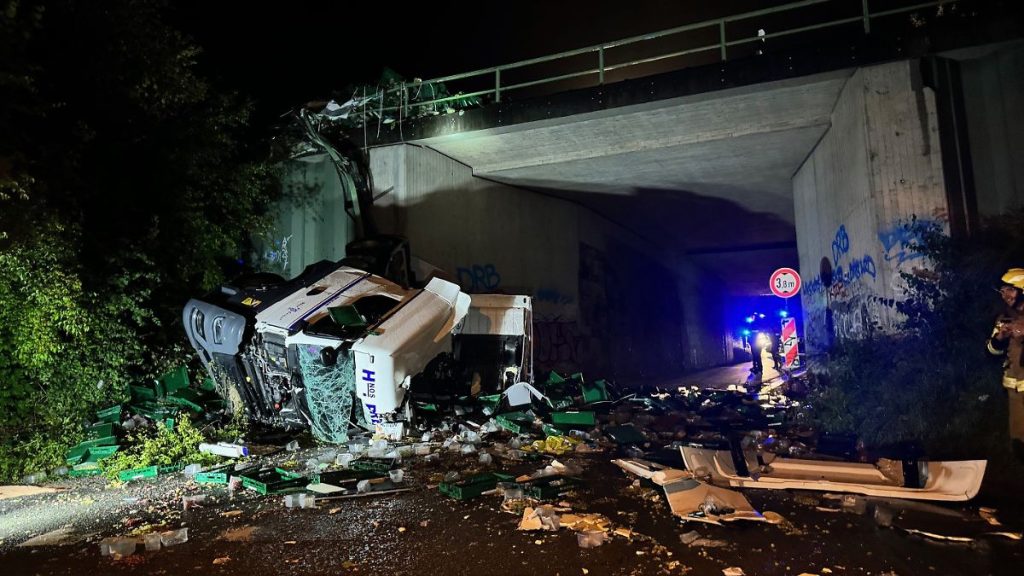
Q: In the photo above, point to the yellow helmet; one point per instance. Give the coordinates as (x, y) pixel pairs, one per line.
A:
(1014, 277)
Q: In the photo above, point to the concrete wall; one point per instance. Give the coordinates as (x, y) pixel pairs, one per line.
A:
(876, 167)
(993, 87)
(312, 224)
(603, 300)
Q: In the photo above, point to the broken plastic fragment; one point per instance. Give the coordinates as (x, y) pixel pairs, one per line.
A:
(590, 538)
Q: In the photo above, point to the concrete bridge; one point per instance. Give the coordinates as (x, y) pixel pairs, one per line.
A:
(635, 210)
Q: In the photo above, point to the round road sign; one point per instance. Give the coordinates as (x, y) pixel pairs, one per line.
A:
(785, 282)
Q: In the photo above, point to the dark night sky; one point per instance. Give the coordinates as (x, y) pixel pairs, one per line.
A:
(285, 54)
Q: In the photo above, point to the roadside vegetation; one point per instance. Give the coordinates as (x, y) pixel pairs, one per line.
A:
(114, 153)
(933, 386)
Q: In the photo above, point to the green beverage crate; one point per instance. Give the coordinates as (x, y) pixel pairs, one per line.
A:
(596, 392)
(142, 392)
(176, 379)
(473, 486)
(97, 453)
(272, 481)
(573, 418)
(76, 455)
(86, 469)
(378, 465)
(112, 414)
(138, 473)
(105, 441)
(100, 430)
(548, 488)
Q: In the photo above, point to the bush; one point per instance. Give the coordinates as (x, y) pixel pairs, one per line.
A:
(127, 184)
(933, 383)
(160, 446)
(64, 352)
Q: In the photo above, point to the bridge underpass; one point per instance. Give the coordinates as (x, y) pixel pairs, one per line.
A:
(646, 221)
(637, 213)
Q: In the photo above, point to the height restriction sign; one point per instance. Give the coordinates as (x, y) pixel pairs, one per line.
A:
(785, 282)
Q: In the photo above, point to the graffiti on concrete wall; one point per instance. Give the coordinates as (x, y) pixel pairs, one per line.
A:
(552, 296)
(478, 278)
(276, 254)
(899, 243)
(842, 300)
(862, 315)
(558, 344)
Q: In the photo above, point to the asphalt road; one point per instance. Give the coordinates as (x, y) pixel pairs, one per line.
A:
(422, 532)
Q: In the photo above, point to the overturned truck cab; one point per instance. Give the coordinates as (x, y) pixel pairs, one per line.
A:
(338, 345)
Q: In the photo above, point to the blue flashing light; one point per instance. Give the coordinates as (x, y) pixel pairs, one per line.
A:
(760, 315)
(749, 319)
(745, 332)
(784, 313)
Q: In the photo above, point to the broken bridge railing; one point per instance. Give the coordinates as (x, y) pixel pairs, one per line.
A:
(598, 70)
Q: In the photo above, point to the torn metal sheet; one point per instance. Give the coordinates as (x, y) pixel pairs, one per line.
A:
(691, 499)
(694, 500)
(946, 481)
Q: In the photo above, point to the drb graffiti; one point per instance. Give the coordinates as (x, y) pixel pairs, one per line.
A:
(479, 278)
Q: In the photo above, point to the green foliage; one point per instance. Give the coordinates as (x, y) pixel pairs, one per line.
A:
(236, 428)
(126, 187)
(933, 383)
(160, 447)
(64, 351)
(394, 98)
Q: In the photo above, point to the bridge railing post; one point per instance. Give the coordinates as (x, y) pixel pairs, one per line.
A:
(497, 85)
(721, 38)
(600, 65)
(867, 16)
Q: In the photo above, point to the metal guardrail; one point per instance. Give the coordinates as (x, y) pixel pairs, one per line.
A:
(722, 46)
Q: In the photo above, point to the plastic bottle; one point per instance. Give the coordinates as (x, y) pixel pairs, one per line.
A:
(174, 537)
(397, 475)
(224, 449)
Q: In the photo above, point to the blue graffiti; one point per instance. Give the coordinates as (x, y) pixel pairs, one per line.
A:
(857, 269)
(552, 296)
(840, 244)
(479, 278)
(900, 242)
(814, 286)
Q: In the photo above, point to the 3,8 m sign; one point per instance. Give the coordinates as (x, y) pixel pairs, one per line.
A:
(785, 283)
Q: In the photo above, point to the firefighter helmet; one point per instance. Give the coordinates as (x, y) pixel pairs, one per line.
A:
(1014, 277)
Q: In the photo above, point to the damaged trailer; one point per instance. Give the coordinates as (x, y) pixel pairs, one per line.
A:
(338, 345)
(950, 481)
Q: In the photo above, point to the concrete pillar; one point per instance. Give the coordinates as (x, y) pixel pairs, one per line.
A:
(878, 166)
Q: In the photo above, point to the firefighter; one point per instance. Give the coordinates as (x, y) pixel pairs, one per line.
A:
(1008, 339)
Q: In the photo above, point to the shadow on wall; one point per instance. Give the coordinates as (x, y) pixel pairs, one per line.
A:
(623, 318)
(683, 222)
(735, 248)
